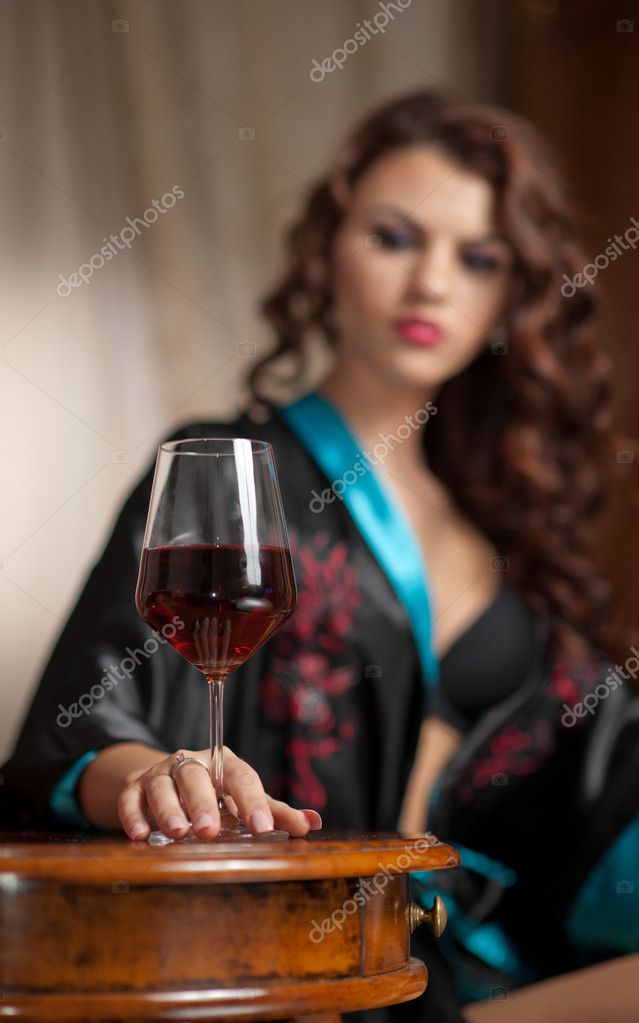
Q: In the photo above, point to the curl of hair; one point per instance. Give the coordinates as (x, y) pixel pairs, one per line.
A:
(522, 442)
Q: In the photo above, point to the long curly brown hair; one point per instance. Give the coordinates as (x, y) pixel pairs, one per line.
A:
(522, 442)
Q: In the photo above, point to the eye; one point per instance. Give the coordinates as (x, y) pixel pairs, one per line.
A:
(394, 237)
(480, 262)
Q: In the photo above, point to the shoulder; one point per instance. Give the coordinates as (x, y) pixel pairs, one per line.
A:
(128, 526)
(135, 507)
(246, 423)
(267, 425)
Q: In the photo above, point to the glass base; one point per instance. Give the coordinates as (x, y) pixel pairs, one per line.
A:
(232, 830)
(227, 836)
(242, 834)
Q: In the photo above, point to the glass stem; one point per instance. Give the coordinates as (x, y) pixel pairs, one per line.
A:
(216, 692)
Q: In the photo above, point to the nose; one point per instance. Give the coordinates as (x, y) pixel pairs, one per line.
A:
(432, 273)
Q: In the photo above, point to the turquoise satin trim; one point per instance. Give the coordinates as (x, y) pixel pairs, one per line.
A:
(62, 800)
(482, 864)
(488, 941)
(605, 913)
(381, 523)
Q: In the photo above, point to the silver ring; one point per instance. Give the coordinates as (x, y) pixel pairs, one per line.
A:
(181, 760)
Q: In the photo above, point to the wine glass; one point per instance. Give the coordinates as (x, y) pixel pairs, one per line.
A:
(216, 565)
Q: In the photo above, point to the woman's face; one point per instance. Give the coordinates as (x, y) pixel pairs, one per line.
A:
(419, 272)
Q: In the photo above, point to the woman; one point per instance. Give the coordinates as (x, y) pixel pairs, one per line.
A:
(439, 486)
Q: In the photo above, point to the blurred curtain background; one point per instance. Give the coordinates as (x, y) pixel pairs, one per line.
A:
(106, 106)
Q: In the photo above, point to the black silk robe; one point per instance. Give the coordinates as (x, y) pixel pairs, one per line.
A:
(327, 712)
(541, 798)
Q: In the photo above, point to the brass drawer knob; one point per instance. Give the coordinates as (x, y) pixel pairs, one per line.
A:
(436, 916)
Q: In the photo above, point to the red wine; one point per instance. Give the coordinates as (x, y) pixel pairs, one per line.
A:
(229, 599)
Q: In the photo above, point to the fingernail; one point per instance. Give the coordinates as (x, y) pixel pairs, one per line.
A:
(175, 823)
(203, 821)
(137, 831)
(313, 818)
(260, 821)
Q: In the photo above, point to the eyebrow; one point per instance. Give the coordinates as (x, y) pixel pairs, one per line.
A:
(414, 226)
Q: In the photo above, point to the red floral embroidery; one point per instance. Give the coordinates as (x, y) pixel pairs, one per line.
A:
(515, 751)
(570, 686)
(311, 666)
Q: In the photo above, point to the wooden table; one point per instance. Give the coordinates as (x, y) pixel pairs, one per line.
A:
(102, 928)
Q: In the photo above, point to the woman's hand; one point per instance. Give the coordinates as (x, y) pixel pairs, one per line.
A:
(152, 799)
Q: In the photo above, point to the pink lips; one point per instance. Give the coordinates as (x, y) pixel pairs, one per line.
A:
(419, 332)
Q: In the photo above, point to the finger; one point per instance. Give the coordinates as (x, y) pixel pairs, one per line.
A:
(132, 809)
(278, 810)
(231, 805)
(243, 784)
(164, 804)
(197, 796)
(297, 822)
(205, 754)
(314, 819)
